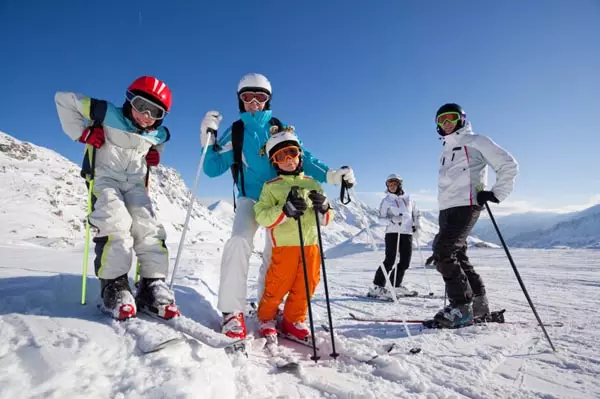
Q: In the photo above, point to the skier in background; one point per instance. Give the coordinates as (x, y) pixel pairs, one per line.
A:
(404, 220)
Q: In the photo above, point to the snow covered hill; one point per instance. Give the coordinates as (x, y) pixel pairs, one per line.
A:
(577, 230)
(46, 192)
(53, 347)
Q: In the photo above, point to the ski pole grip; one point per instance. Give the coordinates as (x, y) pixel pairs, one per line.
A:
(214, 133)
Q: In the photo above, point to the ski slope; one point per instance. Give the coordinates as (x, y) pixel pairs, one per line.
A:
(53, 347)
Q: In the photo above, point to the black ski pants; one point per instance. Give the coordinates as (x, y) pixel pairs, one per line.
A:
(450, 254)
(391, 247)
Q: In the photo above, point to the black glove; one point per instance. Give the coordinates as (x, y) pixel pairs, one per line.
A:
(429, 261)
(414, 229)
(319, 201)
(485, 196)
(294, 205)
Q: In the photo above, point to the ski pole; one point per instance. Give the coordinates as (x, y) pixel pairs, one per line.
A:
(512, 263)
(310, 316)
(147, 185)
(190, 207)
(333, 354)
(416, 349)
(90, 151)
(416, 235)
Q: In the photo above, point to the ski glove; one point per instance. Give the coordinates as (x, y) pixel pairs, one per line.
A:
(335, 176)
(211, 120)
(430, 260)
(319, 201)
(485, 196)
(93, 136)
(414, 229)
(294, 206)
(152, 157)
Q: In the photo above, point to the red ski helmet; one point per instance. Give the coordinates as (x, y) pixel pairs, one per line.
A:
(156, 89)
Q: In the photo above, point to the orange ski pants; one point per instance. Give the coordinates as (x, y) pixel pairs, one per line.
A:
(286, 275)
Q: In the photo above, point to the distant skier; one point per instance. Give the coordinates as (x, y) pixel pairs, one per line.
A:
(127, 140)
(240, 148)
(461, 195)
(275, 210)
(404, 220)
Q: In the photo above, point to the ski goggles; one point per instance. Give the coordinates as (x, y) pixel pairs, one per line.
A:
(393, 181)
(145, 106)
(452, 116)
(258, 96)
(286, 153)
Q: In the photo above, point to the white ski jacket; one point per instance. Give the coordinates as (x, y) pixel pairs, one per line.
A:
(463, 168)
(400, 213)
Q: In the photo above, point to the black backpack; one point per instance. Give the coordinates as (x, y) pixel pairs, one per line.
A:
(237, 141)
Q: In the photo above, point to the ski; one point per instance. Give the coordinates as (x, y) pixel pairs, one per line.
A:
(388, 300)
(196, 330)
(494, 317)
(282, 362)
(147, 337)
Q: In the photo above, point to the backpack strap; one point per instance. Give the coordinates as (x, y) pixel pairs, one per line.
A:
(237, 170)
(237, 142)
(97, 114)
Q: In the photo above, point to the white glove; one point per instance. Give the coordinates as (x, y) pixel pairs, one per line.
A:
(211, 120)
(397, 220)
(393, 211)
(335, 176)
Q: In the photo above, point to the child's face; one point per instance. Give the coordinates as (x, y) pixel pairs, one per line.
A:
(287, 159)
(143, 120)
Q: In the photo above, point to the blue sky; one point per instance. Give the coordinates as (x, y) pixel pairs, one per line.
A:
(360, 81)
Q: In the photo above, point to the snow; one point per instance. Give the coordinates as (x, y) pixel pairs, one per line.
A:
(51, 346)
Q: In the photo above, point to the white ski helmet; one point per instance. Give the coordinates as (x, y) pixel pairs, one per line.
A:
(393, 176)
(254, 82)
(281, 140)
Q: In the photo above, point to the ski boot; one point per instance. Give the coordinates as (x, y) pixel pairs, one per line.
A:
(295, 331)
(481, 308)
(402, 291)
(268, 330)
(454, 316)
(381, 293)
(117, 299)
(154, 295)
(234, 325)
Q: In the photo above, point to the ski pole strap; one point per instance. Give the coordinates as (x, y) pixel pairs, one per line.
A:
(344, 193)
(215, 146)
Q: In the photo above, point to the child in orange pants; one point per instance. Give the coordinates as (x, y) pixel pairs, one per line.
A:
(290, 196)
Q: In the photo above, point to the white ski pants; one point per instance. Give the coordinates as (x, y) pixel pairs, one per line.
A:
(122, 213)
(233, 286)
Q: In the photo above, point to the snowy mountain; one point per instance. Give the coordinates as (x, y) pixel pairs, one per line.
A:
(46, 191)
(515, 224)
(544, 229)
(576, 230)
(44, 199)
